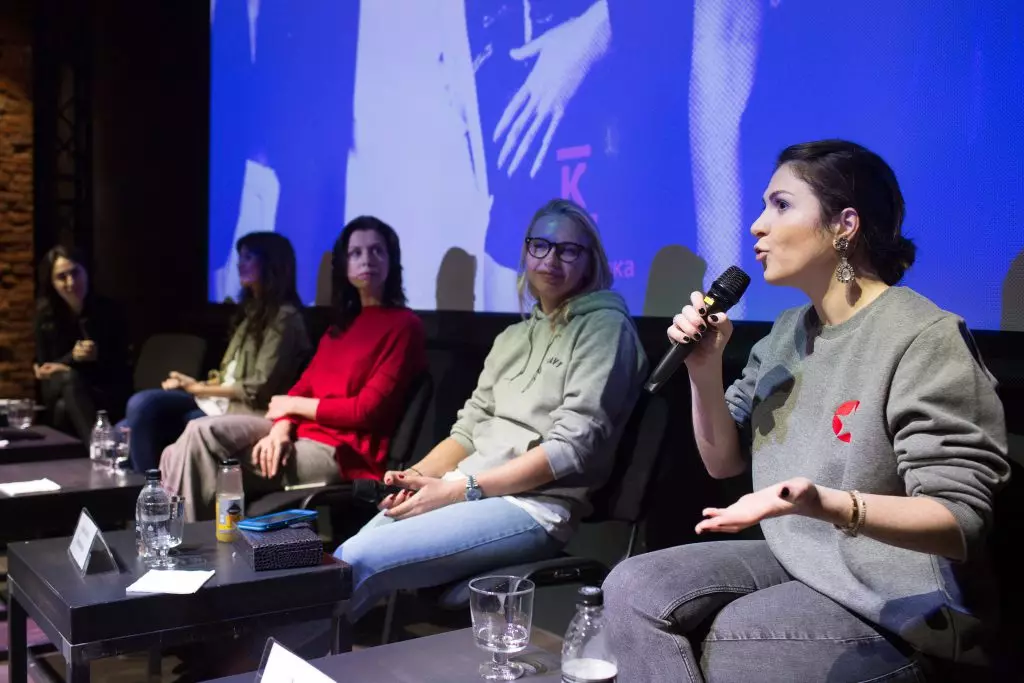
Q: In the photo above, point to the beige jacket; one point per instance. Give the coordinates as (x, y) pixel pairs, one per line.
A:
(273, 367)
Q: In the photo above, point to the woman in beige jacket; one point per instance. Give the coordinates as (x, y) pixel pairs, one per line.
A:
(268, 349)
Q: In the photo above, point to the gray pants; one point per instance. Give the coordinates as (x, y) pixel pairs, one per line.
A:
(189, 466)
(755, 621)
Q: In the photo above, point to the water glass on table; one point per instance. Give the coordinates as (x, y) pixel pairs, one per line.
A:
(20, 413)
(122, 437)
(163, 526)
(502, 611)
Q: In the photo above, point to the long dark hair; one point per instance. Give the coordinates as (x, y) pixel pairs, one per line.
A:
(345, 302)
(277, 283)
(843, 175)
(51, 308)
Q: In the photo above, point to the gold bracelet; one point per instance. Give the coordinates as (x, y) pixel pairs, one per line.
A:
(862, 512)
(857, 515)
(413, 469)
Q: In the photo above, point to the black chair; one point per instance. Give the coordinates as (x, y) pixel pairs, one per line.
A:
(353, 503)
(162, 353)
(623, 499)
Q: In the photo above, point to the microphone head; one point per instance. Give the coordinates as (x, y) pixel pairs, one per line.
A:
(729, 286)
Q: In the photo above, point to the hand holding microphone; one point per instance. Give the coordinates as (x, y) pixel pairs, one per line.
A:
(702, 329)
(708, 332)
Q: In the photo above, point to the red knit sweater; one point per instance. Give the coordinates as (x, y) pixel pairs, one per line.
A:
(361, 377)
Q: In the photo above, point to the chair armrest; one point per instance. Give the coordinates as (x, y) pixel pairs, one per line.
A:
(558, 571)
(328, 495)
(306, 499)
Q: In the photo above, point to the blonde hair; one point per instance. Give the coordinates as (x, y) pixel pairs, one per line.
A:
(599, 273)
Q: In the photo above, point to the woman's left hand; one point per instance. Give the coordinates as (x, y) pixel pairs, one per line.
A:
(431, 493)
(797, 496)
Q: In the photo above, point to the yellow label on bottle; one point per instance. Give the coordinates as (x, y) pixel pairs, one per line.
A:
(229, 514)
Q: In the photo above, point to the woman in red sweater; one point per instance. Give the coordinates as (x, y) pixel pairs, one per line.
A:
(336, 422)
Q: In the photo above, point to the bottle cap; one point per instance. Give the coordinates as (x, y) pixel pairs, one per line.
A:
(230, 462)
(591, 596)
(152, 475)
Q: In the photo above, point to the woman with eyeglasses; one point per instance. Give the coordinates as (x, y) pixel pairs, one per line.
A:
(511, 482)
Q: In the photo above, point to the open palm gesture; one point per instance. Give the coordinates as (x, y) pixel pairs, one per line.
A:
(794, 496)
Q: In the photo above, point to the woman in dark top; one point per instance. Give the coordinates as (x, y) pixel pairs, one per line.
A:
(82, 356)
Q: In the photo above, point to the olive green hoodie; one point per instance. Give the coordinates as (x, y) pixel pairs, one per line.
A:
(567, 387)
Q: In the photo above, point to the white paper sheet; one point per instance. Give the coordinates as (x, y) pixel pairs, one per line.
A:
(17, 488)
(177, 581)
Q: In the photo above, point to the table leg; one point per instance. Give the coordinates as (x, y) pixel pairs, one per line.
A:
(341, 635)
(76, 670)
(155, 665)
(17, 641)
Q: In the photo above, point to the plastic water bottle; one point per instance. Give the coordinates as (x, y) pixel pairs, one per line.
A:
(230, 500)
(586, 653)
(152, 510)
(101, 442)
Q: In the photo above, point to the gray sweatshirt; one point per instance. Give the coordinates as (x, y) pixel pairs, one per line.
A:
(894, 401)
(569, 389)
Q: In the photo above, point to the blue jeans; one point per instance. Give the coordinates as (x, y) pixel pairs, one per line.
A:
(440, 546)
(157, 418)
(728, 611)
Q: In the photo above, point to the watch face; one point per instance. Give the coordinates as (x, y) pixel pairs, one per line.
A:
(474, 493)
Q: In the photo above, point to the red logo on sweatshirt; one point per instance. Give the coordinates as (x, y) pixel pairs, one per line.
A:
(848, 408)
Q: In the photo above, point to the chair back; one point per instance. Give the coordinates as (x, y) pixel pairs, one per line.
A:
(403, 440)
(624, 497)
(163, 353)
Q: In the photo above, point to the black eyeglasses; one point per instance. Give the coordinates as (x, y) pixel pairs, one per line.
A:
(566, 252)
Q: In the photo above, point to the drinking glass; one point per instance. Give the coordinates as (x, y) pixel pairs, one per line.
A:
(20, 413)
(502, 612)
(122, 447)
(163, 525)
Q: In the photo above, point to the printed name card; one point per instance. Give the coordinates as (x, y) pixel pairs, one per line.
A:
(80, 550)
(280, 665)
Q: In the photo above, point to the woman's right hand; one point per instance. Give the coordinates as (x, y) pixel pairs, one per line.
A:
(689, 327)
(48, 370)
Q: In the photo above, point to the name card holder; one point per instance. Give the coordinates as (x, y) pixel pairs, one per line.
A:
(88, 549)
(281, 665)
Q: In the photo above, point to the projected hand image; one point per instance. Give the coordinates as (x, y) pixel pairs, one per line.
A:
(563, 56)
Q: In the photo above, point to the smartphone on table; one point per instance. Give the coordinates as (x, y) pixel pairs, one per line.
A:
(277, 520)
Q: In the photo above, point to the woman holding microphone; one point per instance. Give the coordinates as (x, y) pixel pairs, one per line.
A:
(876, 441)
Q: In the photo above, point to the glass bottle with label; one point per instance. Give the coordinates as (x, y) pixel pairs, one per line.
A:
(230, 500)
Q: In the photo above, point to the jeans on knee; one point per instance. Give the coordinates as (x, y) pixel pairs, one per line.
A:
(728, 611)
(440, 546)
(157, 418)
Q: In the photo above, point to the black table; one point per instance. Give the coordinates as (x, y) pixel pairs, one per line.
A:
(53, 446)
(446, 658)
(109, 496)
(92, 617)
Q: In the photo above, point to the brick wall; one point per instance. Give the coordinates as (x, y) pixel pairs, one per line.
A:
(16, 253)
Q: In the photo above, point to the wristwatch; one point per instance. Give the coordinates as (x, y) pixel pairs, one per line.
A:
(473, 490)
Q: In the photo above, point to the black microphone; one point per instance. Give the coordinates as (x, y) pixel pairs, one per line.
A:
(724, 293)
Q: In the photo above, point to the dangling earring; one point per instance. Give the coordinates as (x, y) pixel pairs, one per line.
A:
(844, 272)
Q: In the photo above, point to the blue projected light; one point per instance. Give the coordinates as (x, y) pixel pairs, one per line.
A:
(454, 121)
